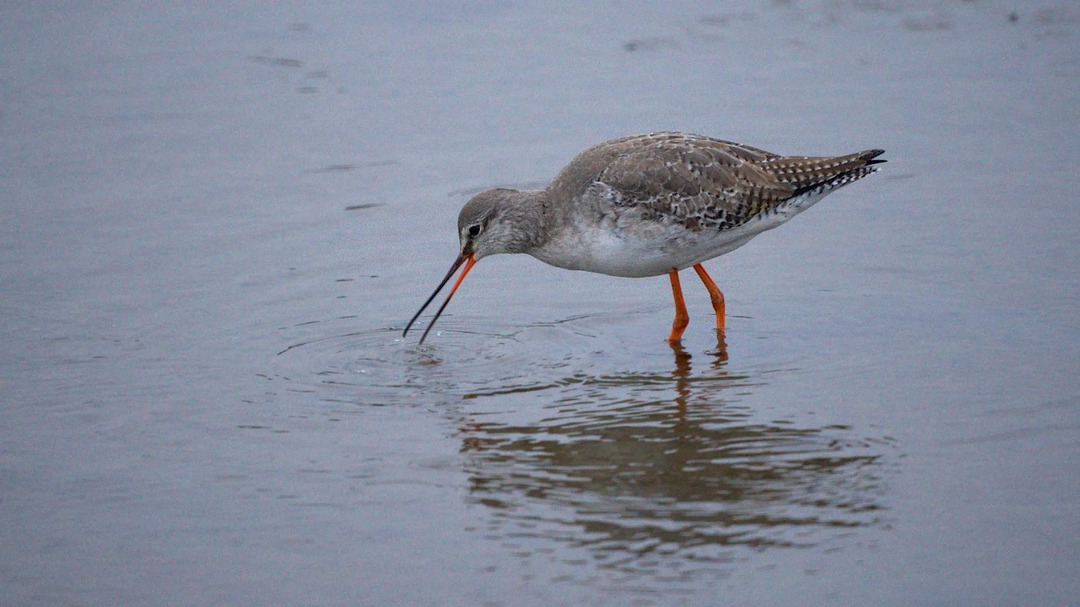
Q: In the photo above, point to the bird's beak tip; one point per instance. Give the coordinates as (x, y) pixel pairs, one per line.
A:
(468, 259)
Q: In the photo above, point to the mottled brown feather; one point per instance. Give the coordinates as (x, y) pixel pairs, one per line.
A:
(699, 181)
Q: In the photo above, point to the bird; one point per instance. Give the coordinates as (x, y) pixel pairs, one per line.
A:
(648, 205)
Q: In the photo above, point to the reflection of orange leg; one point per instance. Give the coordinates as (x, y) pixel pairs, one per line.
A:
(681, 317)
(714, 294)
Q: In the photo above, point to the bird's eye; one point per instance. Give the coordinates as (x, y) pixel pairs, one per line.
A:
(474, 230)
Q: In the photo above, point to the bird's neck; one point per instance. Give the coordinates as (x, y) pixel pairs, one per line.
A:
(531, 214)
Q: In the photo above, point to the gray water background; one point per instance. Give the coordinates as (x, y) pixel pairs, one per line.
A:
(215, 220)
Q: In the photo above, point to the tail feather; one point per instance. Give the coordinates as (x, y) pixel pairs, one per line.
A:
(836, 181)
(807, 174)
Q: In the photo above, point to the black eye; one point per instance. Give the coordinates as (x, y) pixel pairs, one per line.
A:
(474, 230)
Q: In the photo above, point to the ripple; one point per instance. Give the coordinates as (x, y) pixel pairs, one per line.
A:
(585, 440)
(379, 367)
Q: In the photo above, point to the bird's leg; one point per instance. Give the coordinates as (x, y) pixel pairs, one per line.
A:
(681, 317)
(714, 294)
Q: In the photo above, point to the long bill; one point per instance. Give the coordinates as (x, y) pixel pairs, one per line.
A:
(469, 261)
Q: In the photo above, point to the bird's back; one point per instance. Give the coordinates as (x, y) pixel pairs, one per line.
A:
(699, 181)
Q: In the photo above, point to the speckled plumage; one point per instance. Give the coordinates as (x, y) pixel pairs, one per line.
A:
(652, 204)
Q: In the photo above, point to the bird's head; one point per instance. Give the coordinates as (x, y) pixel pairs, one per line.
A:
(492, 222)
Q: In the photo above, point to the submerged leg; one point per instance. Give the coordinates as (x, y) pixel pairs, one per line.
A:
(714, 294)
(681, 317)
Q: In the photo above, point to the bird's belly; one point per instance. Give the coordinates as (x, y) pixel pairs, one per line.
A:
(636, 254)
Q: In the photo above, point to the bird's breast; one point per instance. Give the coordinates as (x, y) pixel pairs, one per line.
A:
(636, 249)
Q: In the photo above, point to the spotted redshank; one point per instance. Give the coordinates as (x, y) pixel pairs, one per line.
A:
(647, 205)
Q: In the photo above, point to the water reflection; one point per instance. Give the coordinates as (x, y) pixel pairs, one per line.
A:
(662, 473)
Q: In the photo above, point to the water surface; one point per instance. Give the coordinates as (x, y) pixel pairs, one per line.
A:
(214, 223)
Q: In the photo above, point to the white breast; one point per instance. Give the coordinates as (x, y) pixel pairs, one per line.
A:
(635, 253)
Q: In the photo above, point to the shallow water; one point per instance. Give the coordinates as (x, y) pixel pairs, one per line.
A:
(216, 221)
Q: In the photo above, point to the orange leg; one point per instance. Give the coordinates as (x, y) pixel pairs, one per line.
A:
(681, 317)
(714, 294)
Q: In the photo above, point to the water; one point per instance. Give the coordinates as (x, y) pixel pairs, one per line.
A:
(216, 221)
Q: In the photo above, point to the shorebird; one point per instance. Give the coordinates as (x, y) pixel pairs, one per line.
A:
(647, 205)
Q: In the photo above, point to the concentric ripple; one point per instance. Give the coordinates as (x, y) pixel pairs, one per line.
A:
(338, 363)
(650, 461)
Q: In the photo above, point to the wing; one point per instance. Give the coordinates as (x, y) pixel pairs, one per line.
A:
(696, 181)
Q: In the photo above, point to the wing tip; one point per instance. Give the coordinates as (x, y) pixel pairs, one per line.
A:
(870, 157)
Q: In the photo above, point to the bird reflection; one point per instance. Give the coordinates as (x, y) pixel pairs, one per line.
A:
(653, 472)
(682, 357)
